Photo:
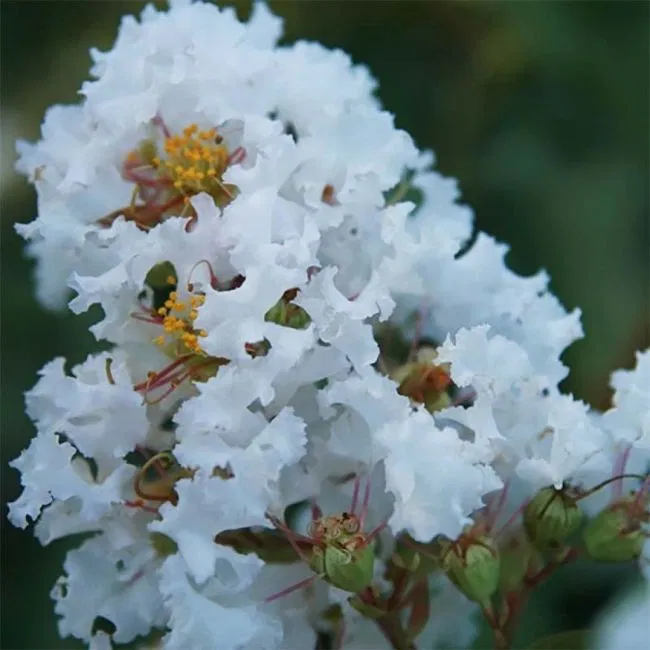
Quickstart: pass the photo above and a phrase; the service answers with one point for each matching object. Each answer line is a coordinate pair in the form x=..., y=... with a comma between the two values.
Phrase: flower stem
x=394, y=632
x=503, y=624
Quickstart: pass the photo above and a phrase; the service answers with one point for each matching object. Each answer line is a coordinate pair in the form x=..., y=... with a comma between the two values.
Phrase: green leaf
x=573, y=640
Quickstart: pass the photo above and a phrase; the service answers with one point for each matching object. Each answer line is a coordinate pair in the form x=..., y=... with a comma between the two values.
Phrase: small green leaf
x=573, y=640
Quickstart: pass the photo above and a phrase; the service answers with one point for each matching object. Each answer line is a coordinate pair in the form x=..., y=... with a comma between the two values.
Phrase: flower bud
x=614, y=535
x=550, y=517
x=473, y=564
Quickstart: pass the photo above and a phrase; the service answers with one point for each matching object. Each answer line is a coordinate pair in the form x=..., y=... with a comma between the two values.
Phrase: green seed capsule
x=614, y=535
x=473, y=565
x=550, y=518
x=350, y=570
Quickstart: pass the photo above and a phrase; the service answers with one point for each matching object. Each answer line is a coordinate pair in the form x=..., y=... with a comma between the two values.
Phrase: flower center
x=178, y=322
x=195, y=162
x=192, y=162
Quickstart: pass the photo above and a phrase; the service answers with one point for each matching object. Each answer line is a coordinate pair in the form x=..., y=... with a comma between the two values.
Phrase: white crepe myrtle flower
x=236, y=209
x=543, y=436
x=427, y=467
x=628, y=421
x=118, y=584
x=625, y=624
x=100, y=418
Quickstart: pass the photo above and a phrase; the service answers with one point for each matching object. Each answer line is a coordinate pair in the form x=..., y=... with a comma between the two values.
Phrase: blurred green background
x=540, y=109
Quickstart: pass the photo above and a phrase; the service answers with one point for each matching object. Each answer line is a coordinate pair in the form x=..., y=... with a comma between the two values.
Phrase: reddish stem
x=298, y=585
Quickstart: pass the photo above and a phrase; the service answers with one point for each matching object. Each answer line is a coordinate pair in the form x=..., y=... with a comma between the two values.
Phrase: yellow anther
x=159, y=340
x=193, y=160
x=203, y=333
x=162, y=311
x=173, y=295
x=171, y=279
x=193, y=314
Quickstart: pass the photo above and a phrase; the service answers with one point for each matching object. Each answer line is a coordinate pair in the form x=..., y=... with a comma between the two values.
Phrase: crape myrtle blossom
x=628, y=424
x=312, y=382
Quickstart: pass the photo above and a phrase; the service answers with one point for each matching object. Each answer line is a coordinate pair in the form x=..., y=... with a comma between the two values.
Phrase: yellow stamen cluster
x=178, y=321
x=195, y=162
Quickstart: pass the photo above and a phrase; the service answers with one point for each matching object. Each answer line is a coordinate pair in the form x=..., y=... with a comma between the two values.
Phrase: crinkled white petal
x=101, y=417
x=119, y=585
x=434, y=476
x=625, y=624
x=202, y=621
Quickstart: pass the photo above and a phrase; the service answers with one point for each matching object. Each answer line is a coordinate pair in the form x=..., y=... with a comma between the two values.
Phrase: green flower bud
x=614, y=535
x=473, y=565
x=550, y=517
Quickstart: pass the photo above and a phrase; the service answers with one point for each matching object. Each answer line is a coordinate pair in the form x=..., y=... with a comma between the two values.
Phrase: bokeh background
x=539, y=108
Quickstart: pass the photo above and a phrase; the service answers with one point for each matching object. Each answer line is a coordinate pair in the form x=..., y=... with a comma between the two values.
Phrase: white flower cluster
x=236, y=209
